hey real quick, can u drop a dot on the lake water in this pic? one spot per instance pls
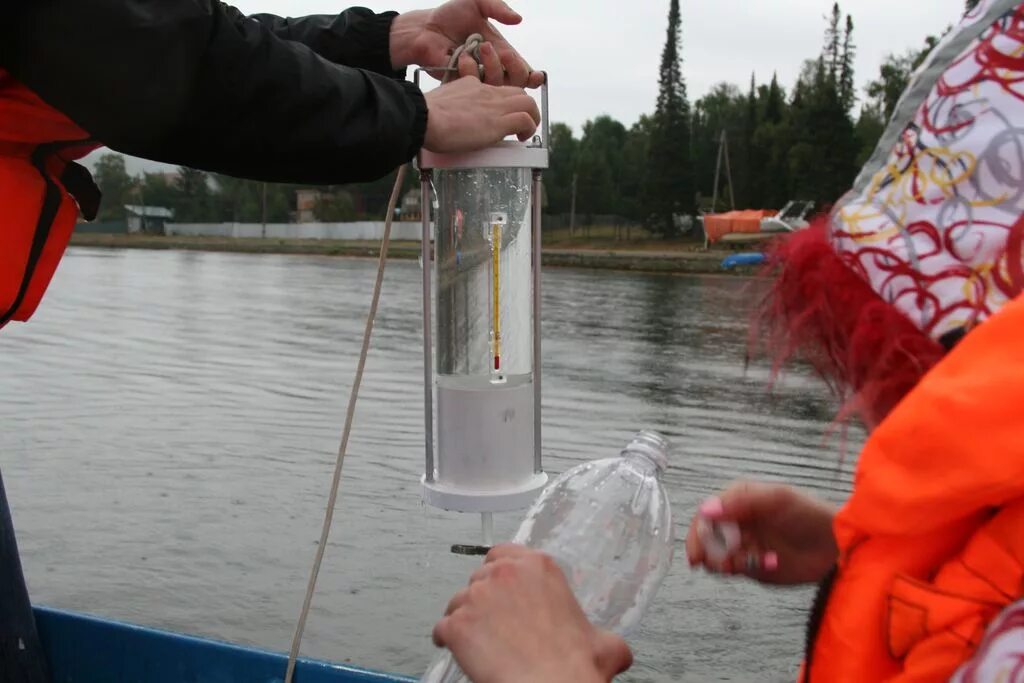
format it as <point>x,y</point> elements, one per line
<point>170,423</point>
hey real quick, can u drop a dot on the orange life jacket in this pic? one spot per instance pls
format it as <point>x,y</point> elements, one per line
<point>37,181</point>
<point>932,539</point>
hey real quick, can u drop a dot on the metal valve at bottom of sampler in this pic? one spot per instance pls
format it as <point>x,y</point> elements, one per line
<point>608,525</point>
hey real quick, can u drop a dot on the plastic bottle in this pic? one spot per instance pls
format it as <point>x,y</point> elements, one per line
<point>608,525</point>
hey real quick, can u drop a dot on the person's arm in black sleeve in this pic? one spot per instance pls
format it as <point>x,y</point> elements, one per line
<point>195,83</point>
<point>357,37</point>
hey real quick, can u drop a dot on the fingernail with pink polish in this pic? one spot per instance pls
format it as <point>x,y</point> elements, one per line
<point>771,561</point>
<point>711,508</point>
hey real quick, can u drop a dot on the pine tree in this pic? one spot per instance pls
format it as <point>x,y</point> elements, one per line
<point>775,104</point>
<point>847,89</point>
<point>670,187</point>
<point>751,119</point>
<point>833,42</point>
<point>750,180</point>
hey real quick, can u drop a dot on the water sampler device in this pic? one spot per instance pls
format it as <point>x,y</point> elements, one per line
<point>481,323</point>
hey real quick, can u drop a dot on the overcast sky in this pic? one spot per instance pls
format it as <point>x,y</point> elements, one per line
<point>603,55</point>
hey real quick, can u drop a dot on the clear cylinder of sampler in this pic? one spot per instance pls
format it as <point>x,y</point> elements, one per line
<point>485,327</point>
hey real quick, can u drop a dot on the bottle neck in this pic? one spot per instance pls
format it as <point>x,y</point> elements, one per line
<point>649,447</point>
<point>646,460</point>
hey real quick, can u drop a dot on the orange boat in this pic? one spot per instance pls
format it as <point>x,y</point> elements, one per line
<point>752,225</point>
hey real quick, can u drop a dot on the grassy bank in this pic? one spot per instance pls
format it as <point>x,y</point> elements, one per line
<point>640,256</point>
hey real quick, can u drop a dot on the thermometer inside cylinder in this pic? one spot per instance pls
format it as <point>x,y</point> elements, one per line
<point>494,234</point>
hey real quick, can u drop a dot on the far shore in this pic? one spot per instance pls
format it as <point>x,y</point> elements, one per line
<point>640,256</point>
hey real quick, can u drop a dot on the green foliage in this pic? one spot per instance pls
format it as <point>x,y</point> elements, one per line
<point>335,205</point>
<point>894,76</point>
<point>847,89</point>
<point>669,187</point>
<point>869,128</point>
<point>558,179</point>
<point>600,164</point>
<point>155,189</point>
<point>116,185</point>
<point>635,174</point>
<point>193,200</point>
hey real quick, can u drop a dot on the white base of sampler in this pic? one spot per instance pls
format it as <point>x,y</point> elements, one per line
<point>436,494</point>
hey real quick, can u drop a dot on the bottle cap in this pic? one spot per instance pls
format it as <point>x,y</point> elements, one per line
<point>720,539</point>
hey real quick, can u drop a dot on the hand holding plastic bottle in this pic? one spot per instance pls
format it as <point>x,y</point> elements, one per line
<point>607,524</point>
<point>770,532</point>
<point>519,621</point>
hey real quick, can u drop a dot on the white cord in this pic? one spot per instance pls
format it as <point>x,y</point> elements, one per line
<point>471,46</point>
<point>349,415</point>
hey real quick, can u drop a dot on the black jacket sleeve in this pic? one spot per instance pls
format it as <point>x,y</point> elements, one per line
<point>357,37</point>
<point>195,82</point>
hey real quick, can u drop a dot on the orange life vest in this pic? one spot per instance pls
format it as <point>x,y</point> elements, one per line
<point>932,539</point>
<point>37,181</point>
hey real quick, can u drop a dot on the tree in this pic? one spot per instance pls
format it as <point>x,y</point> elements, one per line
<point>193,203</point>
<point>156,190</point>
<point>236,200</point>
<point>775,102</point>
<point>832,51</point>
<point>334,206</point>
<point>634,169</point>
<point>748,173</point>
<point>847,88</point>
<point>670,184</point>
<point>724,108</point>
<point>771,142</point>
<point>558,178</point>
<point>599,166</point>
<point>114,182</point>
<point>869,128</point>
<point>370,200</point>
<point>894,76</point>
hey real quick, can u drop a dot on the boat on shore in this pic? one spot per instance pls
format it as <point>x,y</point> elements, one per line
<point>755,225</point>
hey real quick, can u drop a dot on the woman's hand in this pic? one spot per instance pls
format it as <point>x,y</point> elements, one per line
<point>785,535</point>
<point>518,620</point>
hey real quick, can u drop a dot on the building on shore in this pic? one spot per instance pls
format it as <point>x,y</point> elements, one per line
<point>150,219</point>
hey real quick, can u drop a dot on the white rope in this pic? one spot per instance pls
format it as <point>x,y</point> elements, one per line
<point>349,415</point>
<point>472,46</point>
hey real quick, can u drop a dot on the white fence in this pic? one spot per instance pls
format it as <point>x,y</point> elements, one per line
<point>362,230</point>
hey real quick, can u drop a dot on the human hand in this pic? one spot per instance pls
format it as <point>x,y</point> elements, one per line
<point>465,115</point>
<point>518,620</point>
<point>428,37</point>
<point>787,533</point>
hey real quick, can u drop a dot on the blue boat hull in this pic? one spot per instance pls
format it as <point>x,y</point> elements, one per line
<point>744,259</point>
<point>87,649</point>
